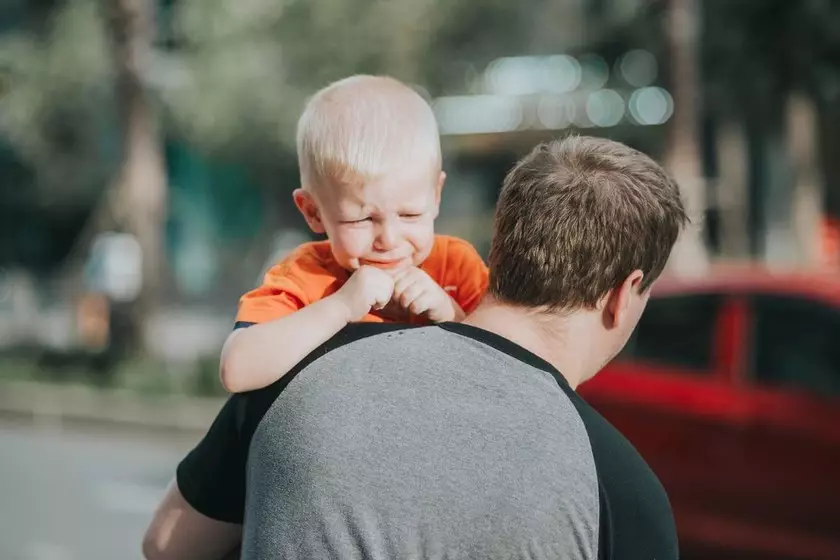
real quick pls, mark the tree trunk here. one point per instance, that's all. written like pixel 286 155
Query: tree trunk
pixel 140 190
pixel 732 199
pixel 807 214
pixel 683 156
pixel 772 235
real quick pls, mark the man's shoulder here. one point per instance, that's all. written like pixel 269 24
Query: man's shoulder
pixel 257 402
pixel 358 331
pixel 636 520
pixel 221 456
pixel 608 440
pixel 639 512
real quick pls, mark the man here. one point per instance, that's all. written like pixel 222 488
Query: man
pixel 460 440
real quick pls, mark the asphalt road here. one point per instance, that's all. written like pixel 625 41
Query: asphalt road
pixel 88 494
pixel 72 494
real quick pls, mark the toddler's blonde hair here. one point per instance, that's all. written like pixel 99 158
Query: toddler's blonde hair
pixel 358 128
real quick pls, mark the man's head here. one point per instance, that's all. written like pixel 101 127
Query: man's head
pixel 585 224
pixel 370 167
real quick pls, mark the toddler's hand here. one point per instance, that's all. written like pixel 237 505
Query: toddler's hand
pixel 368 288
pixel 417 292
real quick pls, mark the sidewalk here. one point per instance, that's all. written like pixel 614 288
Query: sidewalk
pixel 46 403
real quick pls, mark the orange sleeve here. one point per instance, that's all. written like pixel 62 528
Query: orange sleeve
pixel 467 271
pixel 278 296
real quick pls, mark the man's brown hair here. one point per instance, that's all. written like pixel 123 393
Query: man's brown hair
pixel 576 217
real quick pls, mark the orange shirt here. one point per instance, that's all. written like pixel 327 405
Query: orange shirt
pixel 311 273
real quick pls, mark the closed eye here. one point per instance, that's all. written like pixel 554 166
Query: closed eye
pixel 359 221
pixel 411 216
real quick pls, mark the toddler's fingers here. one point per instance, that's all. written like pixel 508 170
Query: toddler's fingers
pixel 410 294
pixel 382 298
pixel 421 304
pixel 401 283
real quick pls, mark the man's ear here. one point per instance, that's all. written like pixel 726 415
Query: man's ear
pixel 310 210
pixel 617 302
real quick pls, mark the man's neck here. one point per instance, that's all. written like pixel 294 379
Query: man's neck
pixel 561 340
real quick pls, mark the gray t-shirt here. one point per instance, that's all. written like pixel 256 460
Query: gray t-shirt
pixel 432 442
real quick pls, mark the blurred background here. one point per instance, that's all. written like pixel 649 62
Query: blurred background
pixel 146 169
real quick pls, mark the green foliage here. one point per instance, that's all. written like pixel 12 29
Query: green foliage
pixel 55 104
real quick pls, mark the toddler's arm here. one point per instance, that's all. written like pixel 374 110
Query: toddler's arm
pixel 259 355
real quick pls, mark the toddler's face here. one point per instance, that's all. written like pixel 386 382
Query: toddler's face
pixel 387 223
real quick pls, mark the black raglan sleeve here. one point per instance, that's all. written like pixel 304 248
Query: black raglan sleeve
pixel 637 522
pixel 212 476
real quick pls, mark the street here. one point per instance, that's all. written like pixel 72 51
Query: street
pixel 72 494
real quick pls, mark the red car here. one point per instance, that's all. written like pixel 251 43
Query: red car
pixel 730 389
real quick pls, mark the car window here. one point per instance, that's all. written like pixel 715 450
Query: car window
pixel 676 331
pixel 796 344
